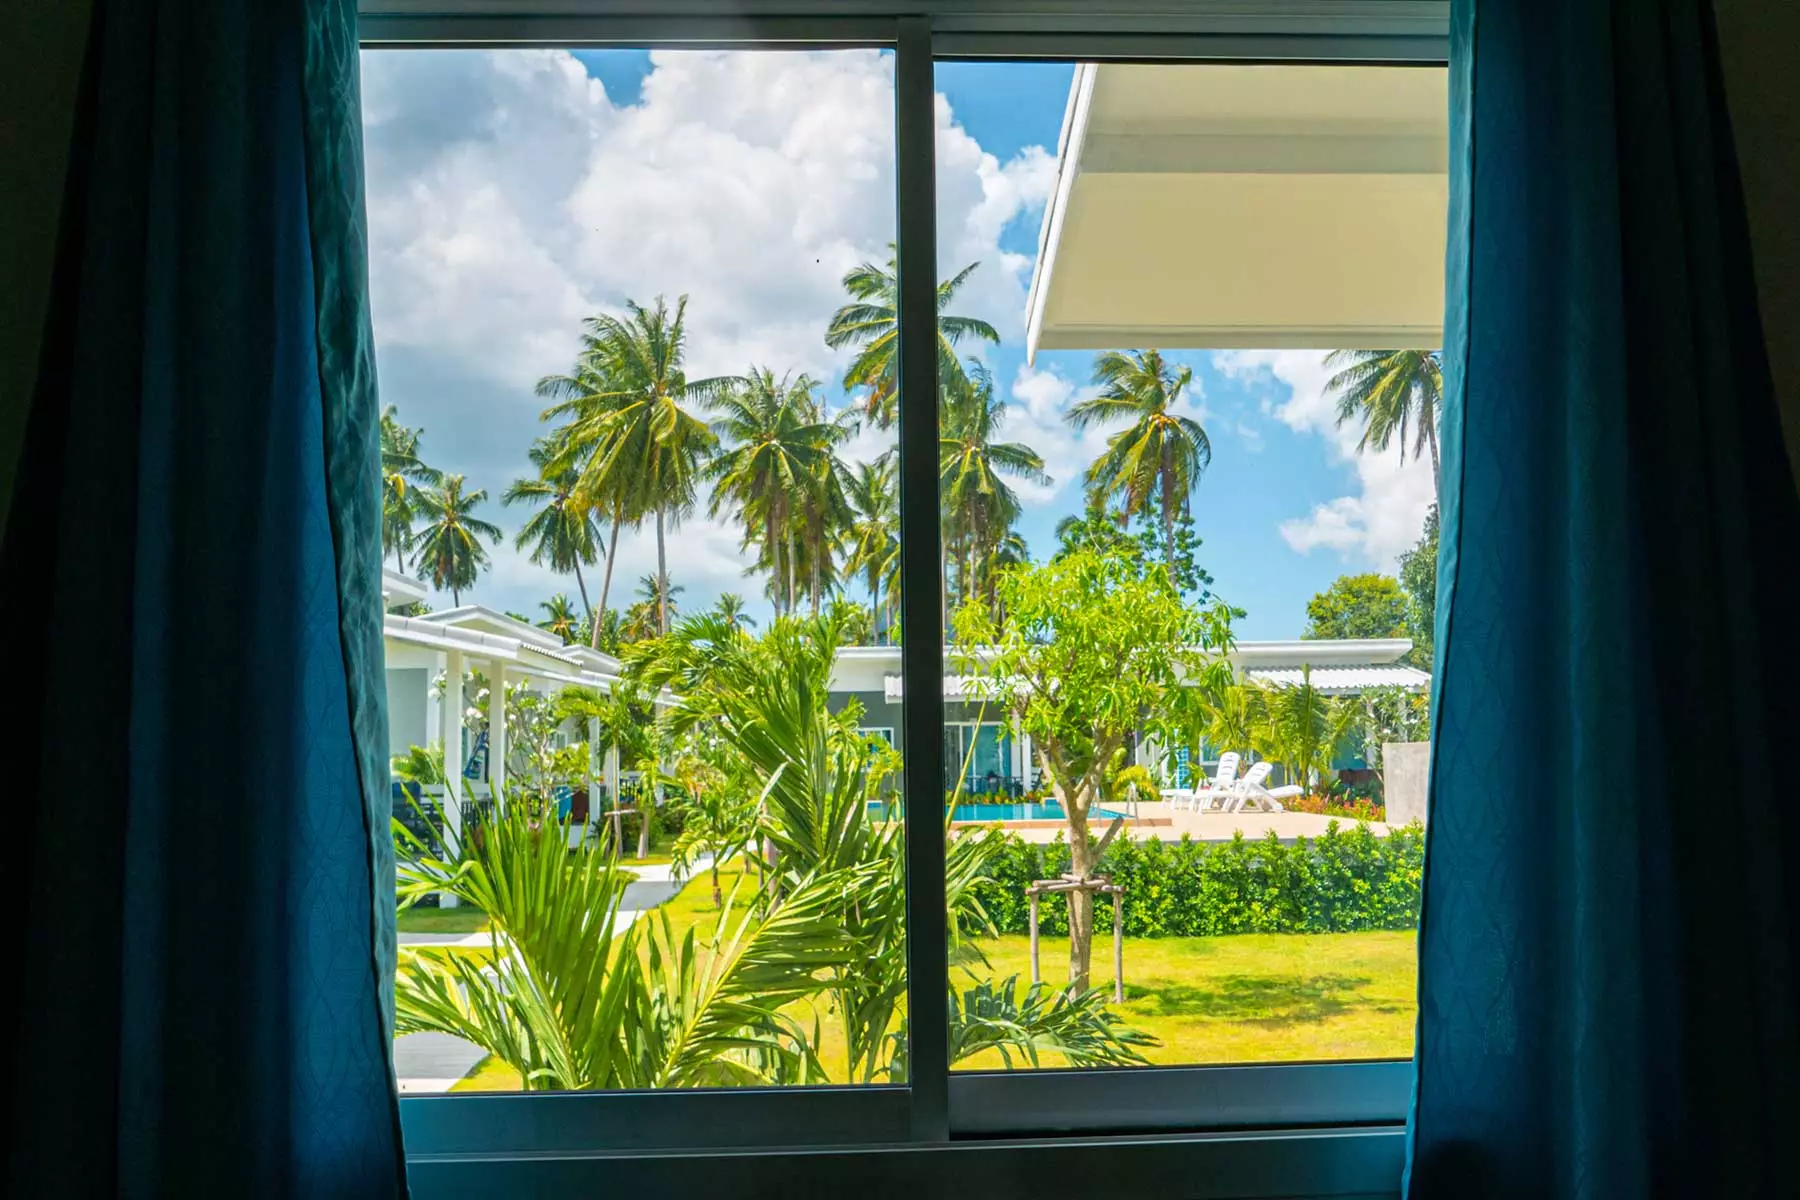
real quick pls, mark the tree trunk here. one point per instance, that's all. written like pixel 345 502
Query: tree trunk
pixel 662 584
pixel 646 814
pixel 875 608
pixel 399 558
pixel 455 596
pixel 1081 904
pixel 773 540
pixel 790 567
pixel 718 896
pixel 582 584
pixel 816 543
pixel 1168 506
pixel 612 554
pixel 1431 441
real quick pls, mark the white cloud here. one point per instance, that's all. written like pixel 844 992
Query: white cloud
pixel 1386 514
pixel 509 198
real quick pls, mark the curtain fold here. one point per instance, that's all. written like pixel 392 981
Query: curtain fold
pixel 203 875
pixel 1608 1001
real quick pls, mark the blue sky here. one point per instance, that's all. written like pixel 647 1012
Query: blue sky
pixel 513 192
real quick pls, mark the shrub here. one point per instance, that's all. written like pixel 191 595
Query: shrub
pixel 1343 881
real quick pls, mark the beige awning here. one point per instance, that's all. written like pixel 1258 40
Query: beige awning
pixel 1246 207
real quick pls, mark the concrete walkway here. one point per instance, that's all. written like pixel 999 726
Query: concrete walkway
pixel 434 1062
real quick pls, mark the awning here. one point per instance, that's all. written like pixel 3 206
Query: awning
pixel 1245 207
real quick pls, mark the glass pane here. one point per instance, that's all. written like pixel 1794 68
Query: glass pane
pixel 1189 555
pixel 634 315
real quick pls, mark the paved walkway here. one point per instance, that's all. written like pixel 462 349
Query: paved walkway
pixel 1157 821
pixel 433 1062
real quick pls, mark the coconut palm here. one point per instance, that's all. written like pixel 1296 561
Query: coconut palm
pixel 561 534
pixel 657 601
pixel 450 549
pixel 401 467
pixel 873 535
pixel 730 609
pixel 824 514
pixel 776 439
pixel 1391 391
pixel 978 506
pixel 560 618
pixel 1159 452
pixel 638 449
pixel 871 322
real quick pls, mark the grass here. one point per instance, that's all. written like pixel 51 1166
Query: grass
pixel 461 919
pixel 1241 999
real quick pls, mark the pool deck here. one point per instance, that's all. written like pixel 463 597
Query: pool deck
pixel 1157 821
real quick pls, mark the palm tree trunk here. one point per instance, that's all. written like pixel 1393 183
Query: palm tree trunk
pixel 455 597
pixel 1431 441
pixel 582 584
pixel 612 556
pixel 790 567
pixel 1168 506
pixel 400 558
pixel 662 581
pixel 816 544
pixel 772 539
pixel 875 608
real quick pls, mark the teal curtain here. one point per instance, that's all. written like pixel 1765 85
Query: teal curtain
pixel 1608 1003
pixel 201 880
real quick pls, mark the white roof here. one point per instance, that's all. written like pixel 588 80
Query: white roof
pixel 1343 680
pixel 1230 206
pixel 398 589
pixel 1339 665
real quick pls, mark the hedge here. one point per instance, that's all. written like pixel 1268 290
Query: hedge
pixel 1343 881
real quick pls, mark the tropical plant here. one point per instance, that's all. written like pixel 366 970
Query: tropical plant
pixel 1160 452
pixel 560 618
pixel 873 537
pixel 1044 1020
pixel 1086 647
pixel 401 468
pixel 636 447
pixel 718 820
pixel 871 323
pixel 450 549
pixel 1390 392
pixel 978 506
pixel 561 534
pixel 420 764
pixel 1302 725
pixel 1418 575
pixel 571 1001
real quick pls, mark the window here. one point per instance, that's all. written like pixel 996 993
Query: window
pixel 753 167
pixel 1137 506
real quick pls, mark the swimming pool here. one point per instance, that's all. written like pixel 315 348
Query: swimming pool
pixel 1049 810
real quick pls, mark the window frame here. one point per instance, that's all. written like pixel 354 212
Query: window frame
pixel 1245 1123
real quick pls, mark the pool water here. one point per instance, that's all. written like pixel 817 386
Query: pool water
pixel 1050 810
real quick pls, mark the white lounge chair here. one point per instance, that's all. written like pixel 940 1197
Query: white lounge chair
pixel 1220 786
pixel 1244 788
pixel 1261 799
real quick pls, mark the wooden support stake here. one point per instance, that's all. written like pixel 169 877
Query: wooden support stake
pixel 1035 975
pixel 1118 946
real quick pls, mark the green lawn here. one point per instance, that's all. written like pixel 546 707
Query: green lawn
pixel 1242 999
pixel 461 919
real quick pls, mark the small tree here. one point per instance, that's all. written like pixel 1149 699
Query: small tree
pixel 1087 647
pixel 1358 606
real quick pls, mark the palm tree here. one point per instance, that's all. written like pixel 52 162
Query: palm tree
pixel 450 548
pixel 1302 725
pixel 979 508
pixel 560 618
pixel 730 609
pixel 638 449
pixel 400 466
pixel 871 322
pixel 562 533
pixel 1393 391
pixel 874 532
pixel 775 436
pixel 1160 451
pixel 824 515
pixel 656 602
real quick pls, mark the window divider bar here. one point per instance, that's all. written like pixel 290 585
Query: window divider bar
pixel 921 581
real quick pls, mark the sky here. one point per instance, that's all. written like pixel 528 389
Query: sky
pixel 513 193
